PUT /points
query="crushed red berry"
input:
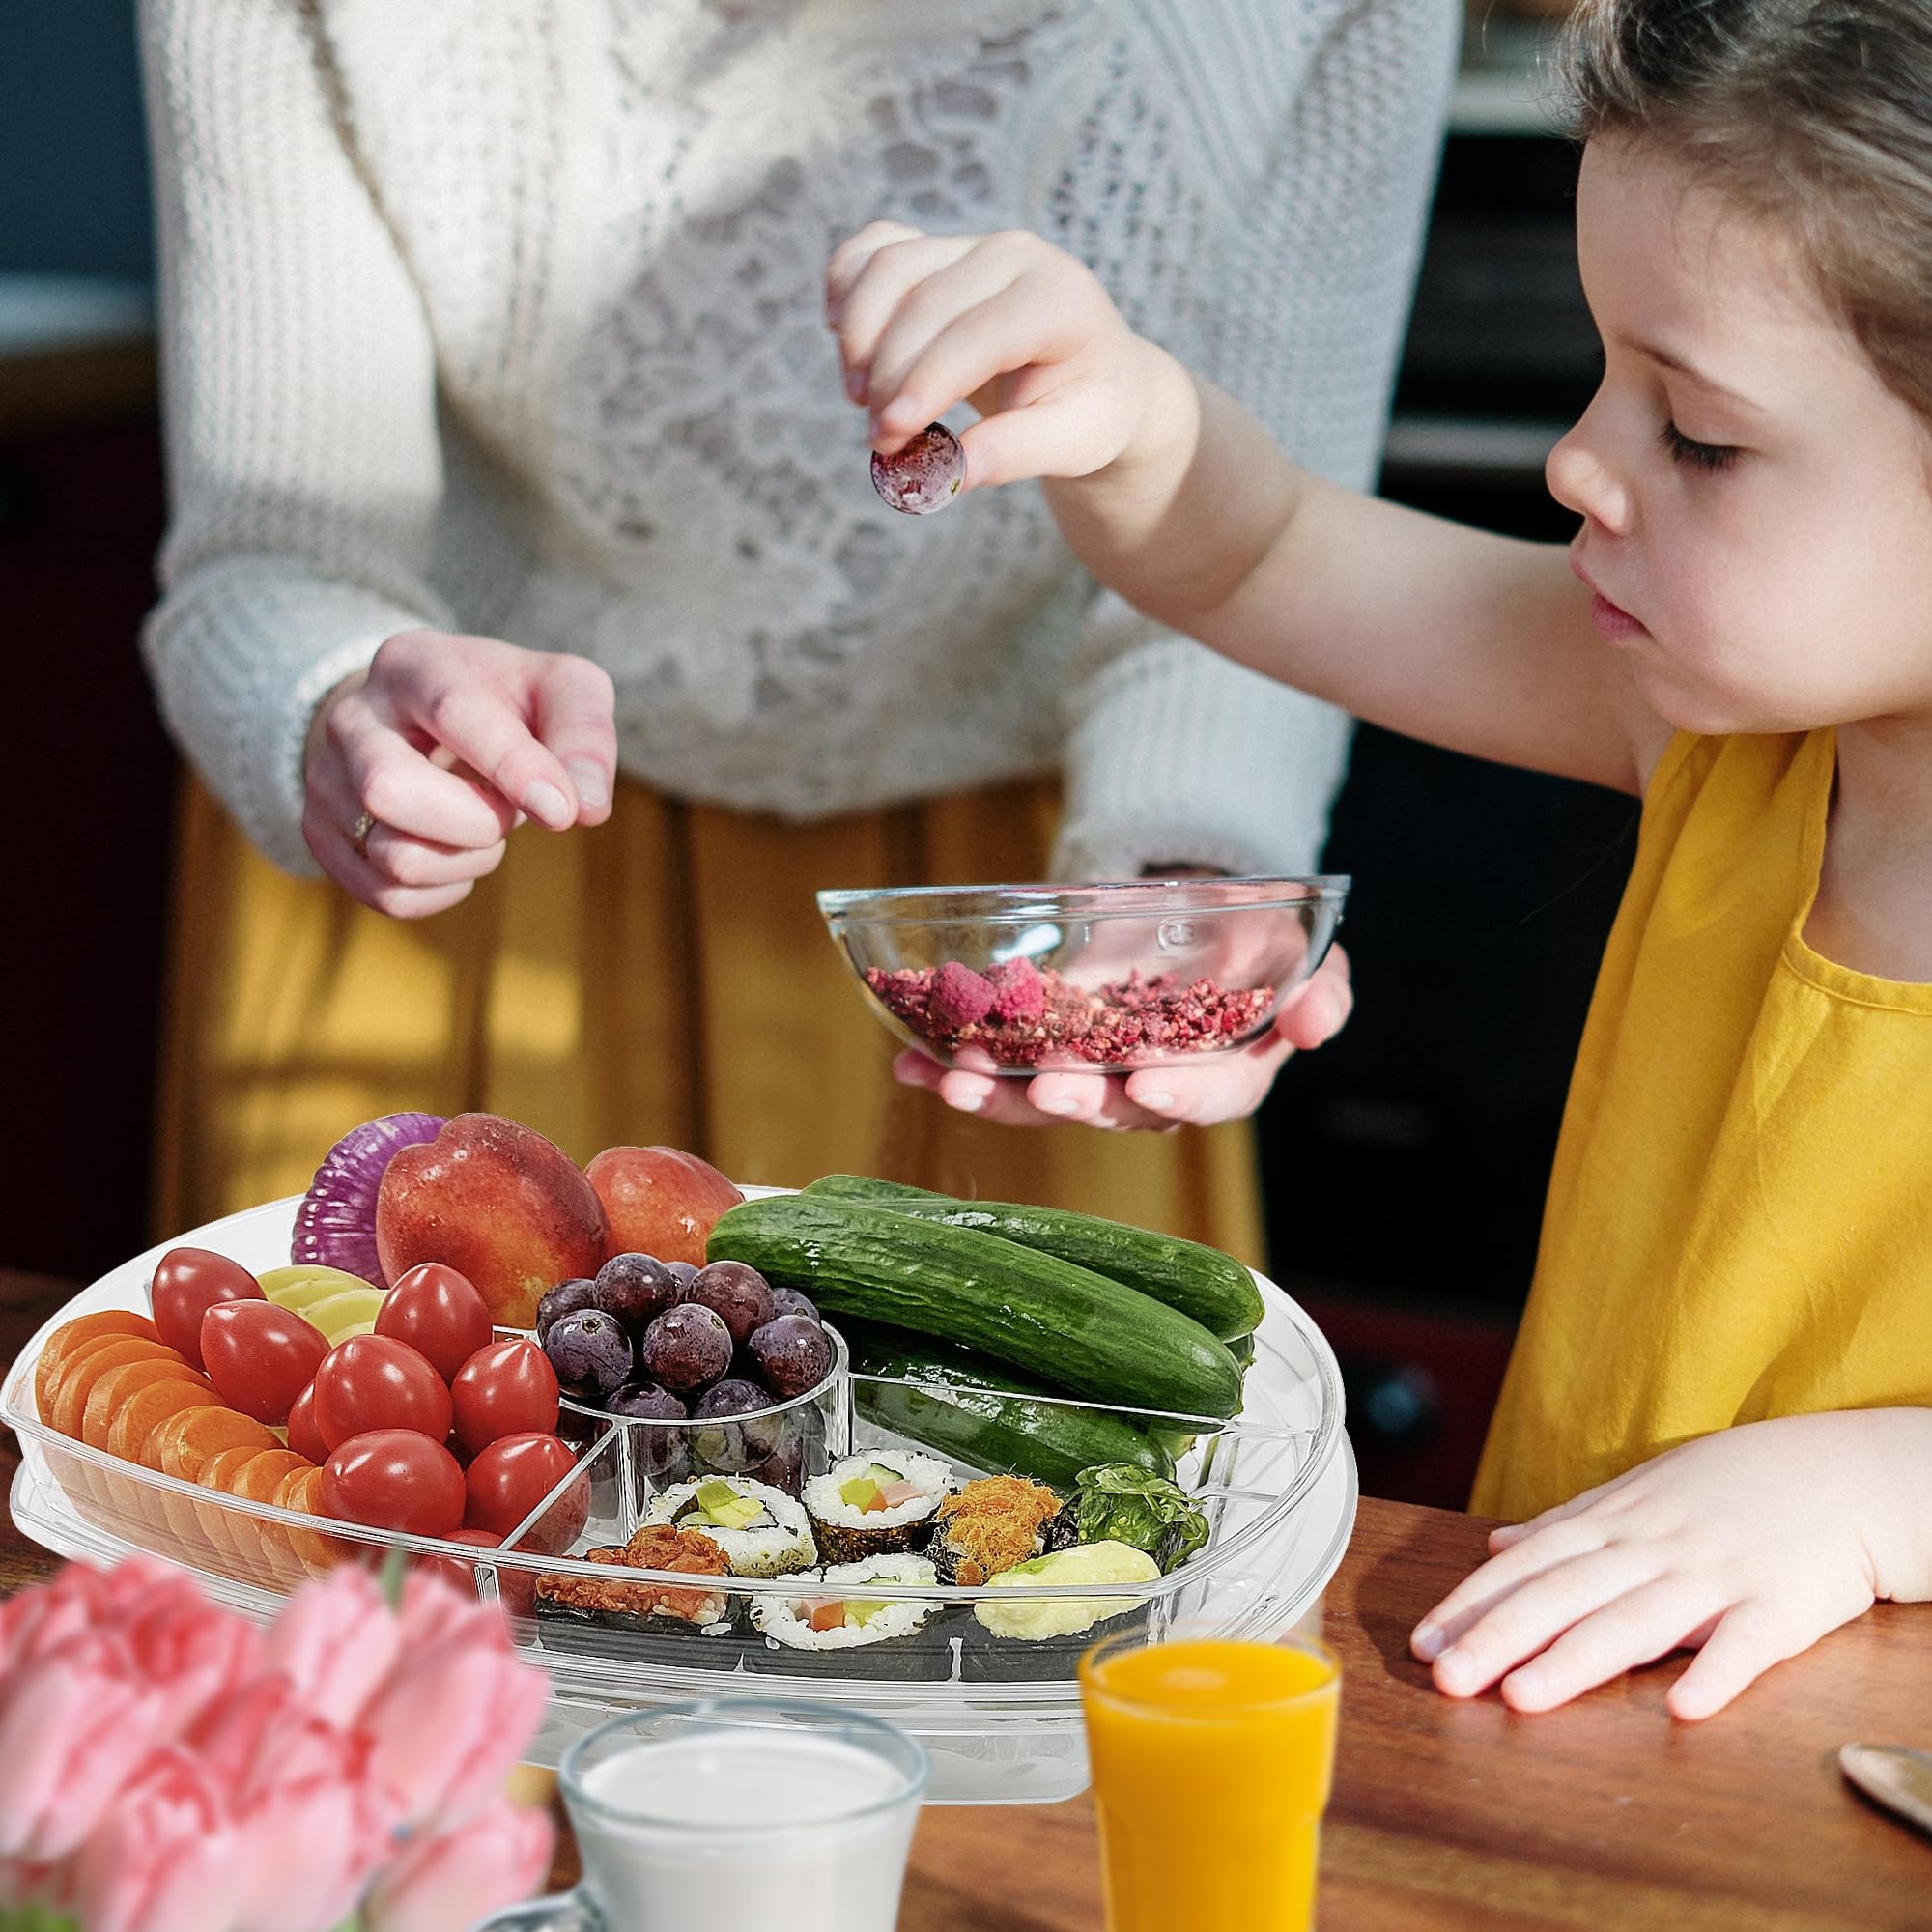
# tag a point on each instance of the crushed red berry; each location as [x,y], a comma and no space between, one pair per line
[1022,1015]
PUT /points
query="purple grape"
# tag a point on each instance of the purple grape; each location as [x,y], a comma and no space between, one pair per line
[688,1348]
[636,1289]
[733,1396]
[789,1301]
[738,1294]
[648,1401]
[925,475]
[565,1299]
[589,1351]
[662,1454]
[793,1353]
[799,1452]
[685,1272]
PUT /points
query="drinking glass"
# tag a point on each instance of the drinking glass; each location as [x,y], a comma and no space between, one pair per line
[735,1810]
[1212,1759]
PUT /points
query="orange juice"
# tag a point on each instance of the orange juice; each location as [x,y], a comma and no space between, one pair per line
[1212,1765]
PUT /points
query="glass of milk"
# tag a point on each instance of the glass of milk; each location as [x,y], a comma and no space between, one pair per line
[725,1811]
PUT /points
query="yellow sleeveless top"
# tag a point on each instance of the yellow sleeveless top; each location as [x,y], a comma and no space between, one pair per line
[1740,1215]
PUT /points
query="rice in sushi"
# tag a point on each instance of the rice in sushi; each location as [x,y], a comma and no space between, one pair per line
[875,1504]
[842,1628]
[763,1531]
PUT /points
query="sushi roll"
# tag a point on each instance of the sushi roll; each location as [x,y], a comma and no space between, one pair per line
[1041,1636]
[761,1530]
[994,1524]
[847,1625]
[644,1622]
[875,1504]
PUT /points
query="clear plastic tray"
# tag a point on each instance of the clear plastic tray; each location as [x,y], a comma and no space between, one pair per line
[1003,1724]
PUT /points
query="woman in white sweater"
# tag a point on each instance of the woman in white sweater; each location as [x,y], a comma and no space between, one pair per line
[501,323]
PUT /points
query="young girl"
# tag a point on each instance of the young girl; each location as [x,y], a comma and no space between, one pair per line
[1716,1430]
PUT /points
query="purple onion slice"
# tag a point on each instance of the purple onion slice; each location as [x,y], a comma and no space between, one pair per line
[335,1224]
[925,475]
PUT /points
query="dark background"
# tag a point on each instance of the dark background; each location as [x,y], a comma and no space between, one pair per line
[1404,1164]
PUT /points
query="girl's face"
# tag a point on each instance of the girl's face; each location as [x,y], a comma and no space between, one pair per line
[1756,504]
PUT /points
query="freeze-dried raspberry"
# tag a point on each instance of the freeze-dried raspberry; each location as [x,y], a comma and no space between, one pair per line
[1019,994]
[960,996]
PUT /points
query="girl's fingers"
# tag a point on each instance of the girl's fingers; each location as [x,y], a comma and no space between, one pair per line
[403,861]
[1522,1621]
[490,734]
[1637,1628]
[336,854]
[1318,1008]
[576,717]
[850,257]
[950,334]
[1049,1100]
[1487,1585]
[1057,435]
[891,272]
[1746,1642]
[371,766]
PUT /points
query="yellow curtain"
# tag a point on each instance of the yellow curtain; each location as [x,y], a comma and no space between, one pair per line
[665,979]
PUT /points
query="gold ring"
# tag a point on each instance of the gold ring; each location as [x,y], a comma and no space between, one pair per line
[358,835]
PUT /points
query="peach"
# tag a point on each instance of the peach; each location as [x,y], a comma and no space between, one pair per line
[660,1201]
[499,1204]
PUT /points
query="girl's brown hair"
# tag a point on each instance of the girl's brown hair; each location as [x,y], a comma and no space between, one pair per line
[1818,117]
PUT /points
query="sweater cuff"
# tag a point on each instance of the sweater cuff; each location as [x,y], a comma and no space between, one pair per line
[1186,756]
[238,673]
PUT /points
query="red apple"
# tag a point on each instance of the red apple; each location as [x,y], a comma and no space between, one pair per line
[499,1204]
[660,1201]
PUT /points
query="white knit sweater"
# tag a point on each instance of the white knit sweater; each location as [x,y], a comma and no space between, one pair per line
[505,316]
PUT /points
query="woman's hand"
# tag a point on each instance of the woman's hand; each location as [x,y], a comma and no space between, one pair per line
[417,771]
[1746,1546]
[1223,1087]
[1008,321]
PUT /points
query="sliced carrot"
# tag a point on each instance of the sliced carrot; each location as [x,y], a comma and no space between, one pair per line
[259,1479]
[183,1443]
[148,1407]
[113,1391]
[301,1490]
[88,1363]
[99,1328]
[237,1549]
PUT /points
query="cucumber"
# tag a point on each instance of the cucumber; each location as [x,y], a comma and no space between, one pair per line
[1203,1282]
[1084,1332]
[990,1424]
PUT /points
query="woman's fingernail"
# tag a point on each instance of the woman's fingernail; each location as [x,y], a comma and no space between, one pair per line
[1427,1641]
[546,804]
[592,787]
[1066,1106]
[1455,1670]
[1156,1103]
[971,1104]
[855,387]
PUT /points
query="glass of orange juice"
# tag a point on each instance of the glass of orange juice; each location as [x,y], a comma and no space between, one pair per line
[1212,1759]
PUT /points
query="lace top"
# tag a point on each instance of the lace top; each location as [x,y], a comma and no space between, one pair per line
[507,319]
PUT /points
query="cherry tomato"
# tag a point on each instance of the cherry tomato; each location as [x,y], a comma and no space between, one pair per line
[374,1382]
[187,1282]
[395,1479]
[515,1589]
[511,1477]
[437,1311]
[260,1358]
[305,1438]
[508,1388]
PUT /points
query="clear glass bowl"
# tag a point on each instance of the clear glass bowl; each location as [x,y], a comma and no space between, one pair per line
[1023,980]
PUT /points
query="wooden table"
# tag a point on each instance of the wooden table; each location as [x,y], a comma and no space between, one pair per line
[1603,1815]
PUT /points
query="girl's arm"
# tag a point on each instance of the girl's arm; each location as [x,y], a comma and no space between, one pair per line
[1746,1546]
[1174,497]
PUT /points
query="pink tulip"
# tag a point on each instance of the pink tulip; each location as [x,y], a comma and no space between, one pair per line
[165,1858]
[314,1821]
[75,1725]
[194,1654]
[82,1598]
[458,1711]
[336,1641]
[448,1883]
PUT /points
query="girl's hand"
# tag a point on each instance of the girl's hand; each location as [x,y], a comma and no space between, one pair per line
[445,744]
[1746,1546]
[1224,1086]
[1008,321]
